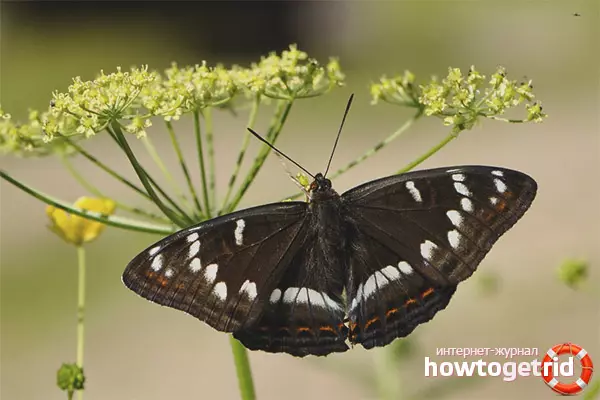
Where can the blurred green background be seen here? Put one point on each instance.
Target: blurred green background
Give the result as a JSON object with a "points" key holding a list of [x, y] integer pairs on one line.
{"points": [[136, 350]]}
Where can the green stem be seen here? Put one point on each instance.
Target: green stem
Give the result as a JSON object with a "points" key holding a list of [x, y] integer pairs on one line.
{"points": [[80, 309], [117, 222], [207, 114], [388, 383], [429, 153], [242, 153], [201, 161], [242, 367], [96, 192], [183, 164], [150, 179], [372, 151], [165, 171], [106, 169], [177, 219], [281, 115]]}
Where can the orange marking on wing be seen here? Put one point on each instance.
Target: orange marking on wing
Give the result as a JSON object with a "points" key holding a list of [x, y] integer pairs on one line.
{"points": [[303, 329], [427, 292], [410, 301], [371, 321], [500, 206], [327, 328], [390, 312]]}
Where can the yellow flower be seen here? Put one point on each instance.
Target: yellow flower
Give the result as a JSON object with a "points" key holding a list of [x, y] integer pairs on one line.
{"points": [[75, 229]]}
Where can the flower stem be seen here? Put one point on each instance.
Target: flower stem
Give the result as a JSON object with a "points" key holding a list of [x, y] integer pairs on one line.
{"points": [[242, 367], [207, 114], [183, 164], [80, 310], [106, 169], [96, 192], [165, 171], [201, 161], [242, 153], [373, 150], [429, 153], [117, 222], [148, 176], [281, 115], [177, 219]]}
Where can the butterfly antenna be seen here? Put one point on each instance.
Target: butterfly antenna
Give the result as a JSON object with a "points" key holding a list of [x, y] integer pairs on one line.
{"points": [[279, 152], [339, 133]]}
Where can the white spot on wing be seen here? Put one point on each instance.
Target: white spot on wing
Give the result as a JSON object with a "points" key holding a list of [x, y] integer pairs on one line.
{"points": [[194, 249], [455, 218], [239, 231], [220, 290], [454, 238], [405, 268], [192, 237], [466, 204], [414, 192], [195, 265], [275, 296], [169, 273], [210, 273], [249, 288], [494, 200], [452, 170], [391, 272], [458, 177], [500, 186], [461, 188], [427, 248], [290, 294], [498, 173], [157, 263], [153, 250]]}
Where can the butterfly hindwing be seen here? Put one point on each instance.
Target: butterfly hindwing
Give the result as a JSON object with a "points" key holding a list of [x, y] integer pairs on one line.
{"points": [[221, 271], [418, 236], [305, 314]]}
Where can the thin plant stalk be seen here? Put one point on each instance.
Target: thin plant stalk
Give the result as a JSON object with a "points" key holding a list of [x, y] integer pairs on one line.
{"points": [[80, 310], [96, 192], [172, 215], [273, 132], [198, 133], [107, 169], [370, 152], [208, 125], [429, 153], [182, 163], [163, 168], [242, 153], [117, 222], [181, 219], [242, 367]]}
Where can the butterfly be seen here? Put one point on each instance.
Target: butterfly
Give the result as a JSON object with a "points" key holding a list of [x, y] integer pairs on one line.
{"points": [[365, 267]]}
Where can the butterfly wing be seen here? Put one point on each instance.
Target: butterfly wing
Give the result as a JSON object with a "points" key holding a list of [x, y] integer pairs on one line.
{"points": [[221, 271], [417, 236], [305, 314]]}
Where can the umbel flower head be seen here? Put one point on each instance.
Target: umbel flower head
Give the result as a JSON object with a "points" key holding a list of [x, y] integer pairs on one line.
{"points": [[292, 75], [75, 229], [460, 100]]}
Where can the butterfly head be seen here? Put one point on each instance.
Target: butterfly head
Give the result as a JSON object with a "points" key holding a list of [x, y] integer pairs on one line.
{"points": [[320, 184]]}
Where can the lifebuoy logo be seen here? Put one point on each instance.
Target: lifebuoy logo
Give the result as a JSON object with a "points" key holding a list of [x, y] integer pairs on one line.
{"points": [[551, 368]]}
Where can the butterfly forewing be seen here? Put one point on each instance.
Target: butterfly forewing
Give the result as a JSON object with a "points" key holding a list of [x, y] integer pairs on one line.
{"points": [[221, 271], [419, 235]]}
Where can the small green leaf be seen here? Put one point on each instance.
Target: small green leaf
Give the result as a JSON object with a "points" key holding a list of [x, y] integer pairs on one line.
{"points": [[70, 377]]}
